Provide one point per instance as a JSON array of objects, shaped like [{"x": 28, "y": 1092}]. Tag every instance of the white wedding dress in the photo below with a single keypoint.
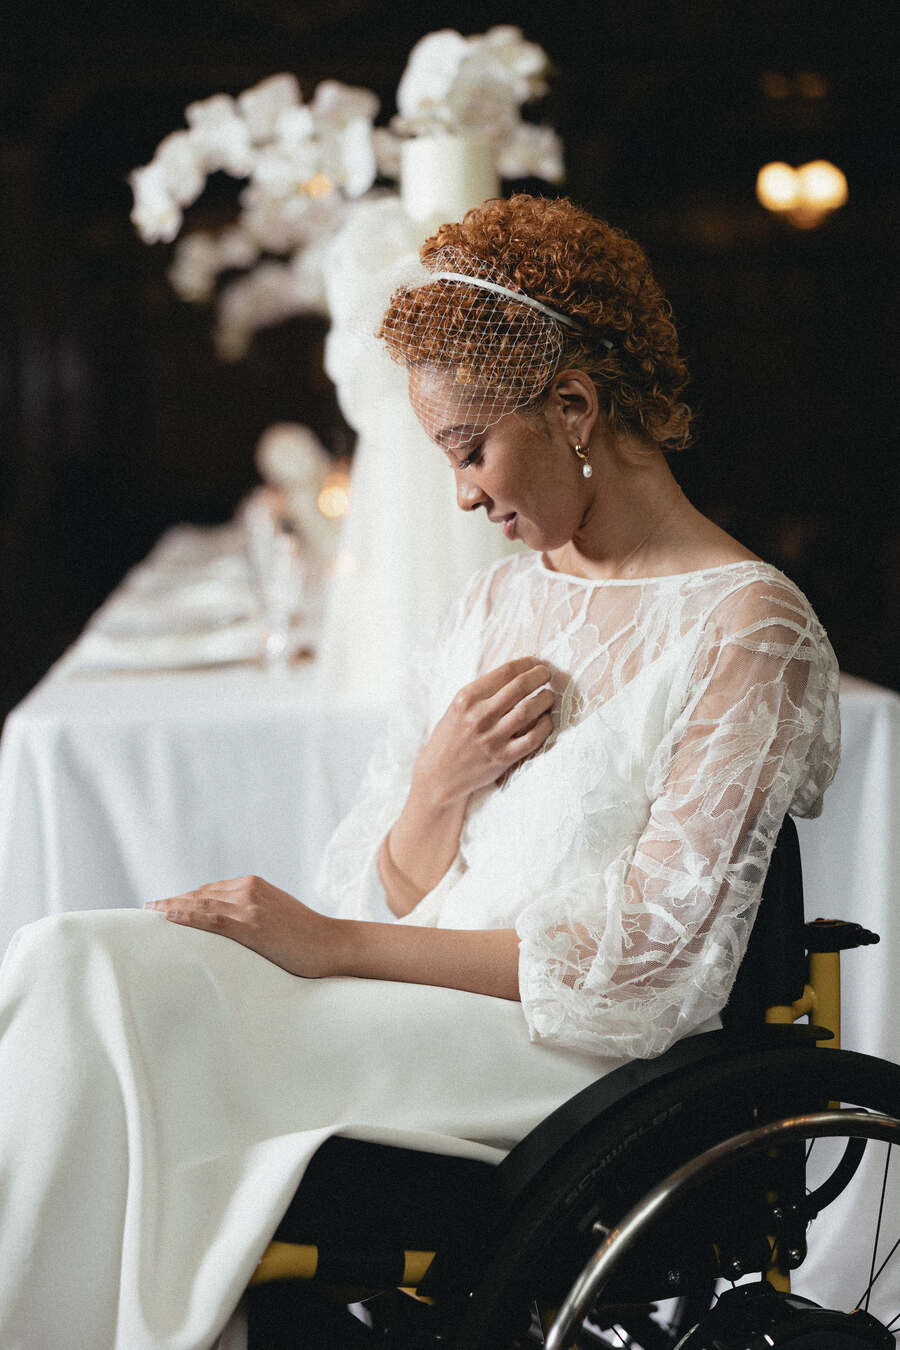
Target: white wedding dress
[{"x": 163, "y": 1088}]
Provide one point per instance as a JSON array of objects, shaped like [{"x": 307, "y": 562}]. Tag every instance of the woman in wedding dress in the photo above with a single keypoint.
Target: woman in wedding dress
[{"x": 570, "y": 815}]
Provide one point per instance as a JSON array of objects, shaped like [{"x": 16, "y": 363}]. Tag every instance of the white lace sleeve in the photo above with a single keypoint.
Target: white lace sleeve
[{"x": 628, "y": 959}]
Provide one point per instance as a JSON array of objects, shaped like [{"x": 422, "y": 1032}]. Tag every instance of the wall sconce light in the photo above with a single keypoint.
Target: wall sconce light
[{"x": 804, "y": 196}]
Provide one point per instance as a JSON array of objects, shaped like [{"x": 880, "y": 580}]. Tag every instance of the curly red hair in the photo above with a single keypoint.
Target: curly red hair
[{"x": 561, "y": 255}]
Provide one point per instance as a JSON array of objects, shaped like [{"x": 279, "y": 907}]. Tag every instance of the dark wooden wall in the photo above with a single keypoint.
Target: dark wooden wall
[{"x": 117, "y": 420}]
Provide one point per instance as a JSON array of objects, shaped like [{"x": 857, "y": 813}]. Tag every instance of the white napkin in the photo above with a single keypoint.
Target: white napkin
[
  {"x": 193, "y": 606},
  {"x": 98, "y": 650}
]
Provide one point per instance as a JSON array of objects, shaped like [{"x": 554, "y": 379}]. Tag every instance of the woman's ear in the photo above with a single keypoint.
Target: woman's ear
[{"x": 572, "y": 405}]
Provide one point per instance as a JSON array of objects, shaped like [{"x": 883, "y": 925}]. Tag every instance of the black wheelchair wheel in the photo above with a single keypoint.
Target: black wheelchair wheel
[
  {"x": 770, "y": 1164},
  {"x": 548, "y": 1236}
]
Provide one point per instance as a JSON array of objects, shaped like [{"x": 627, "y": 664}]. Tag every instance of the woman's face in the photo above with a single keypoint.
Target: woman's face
[{"x": 520, "y": 470}]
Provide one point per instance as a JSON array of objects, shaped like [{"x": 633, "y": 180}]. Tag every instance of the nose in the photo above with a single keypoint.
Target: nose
[{"x": 468, "y": 494}]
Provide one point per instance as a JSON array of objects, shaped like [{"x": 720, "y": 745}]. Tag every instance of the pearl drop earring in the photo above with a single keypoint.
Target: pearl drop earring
[{"x": 582, "y": 455}]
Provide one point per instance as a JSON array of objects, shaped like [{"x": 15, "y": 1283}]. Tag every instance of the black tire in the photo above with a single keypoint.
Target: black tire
[{"x": 547, "y": 1236}]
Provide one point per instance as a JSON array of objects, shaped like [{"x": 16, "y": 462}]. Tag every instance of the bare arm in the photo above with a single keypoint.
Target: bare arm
[
  {"x": 426, "y": 838},
  {"x": 304, "y": 942},
  {"x": 480, "y": 961},
  {"x": 491, "y": 724}
]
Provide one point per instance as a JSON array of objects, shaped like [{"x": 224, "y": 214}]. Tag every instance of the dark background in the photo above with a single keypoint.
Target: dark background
[{"x": 117, "y": 420}]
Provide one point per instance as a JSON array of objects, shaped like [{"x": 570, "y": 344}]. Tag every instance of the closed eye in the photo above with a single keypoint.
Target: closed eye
[{"x": 471, "y": 459}]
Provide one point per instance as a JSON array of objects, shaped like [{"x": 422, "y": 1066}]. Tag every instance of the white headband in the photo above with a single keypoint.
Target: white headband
[{"x": 523, "y": 299}]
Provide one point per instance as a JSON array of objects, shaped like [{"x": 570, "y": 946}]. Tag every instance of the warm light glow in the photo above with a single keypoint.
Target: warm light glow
[
  {"x": 809, "y": 84},
  {"x": 334, "y": 497},
  {"x": 805, "y": 84},
  {"x": 320, "y": 185},
  {"x": 774, "y": 85},
  {"x": 805, "y": 195},
  {"x": 777, "y": 186},
  {"x": 822, "y": 185}
]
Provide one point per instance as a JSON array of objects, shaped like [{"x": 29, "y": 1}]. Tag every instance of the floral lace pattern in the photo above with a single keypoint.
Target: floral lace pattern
[{"x": 692, "y": 713}]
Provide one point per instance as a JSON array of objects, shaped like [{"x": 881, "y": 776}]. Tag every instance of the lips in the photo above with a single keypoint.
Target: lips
[{"x": 508, "y": 522}]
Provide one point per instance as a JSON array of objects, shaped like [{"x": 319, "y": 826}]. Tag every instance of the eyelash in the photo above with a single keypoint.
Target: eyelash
[{"x": 470, "y": 459}]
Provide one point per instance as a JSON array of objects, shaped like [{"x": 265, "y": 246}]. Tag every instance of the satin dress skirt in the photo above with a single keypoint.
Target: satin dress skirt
[{"x": 162, "y": 1090}]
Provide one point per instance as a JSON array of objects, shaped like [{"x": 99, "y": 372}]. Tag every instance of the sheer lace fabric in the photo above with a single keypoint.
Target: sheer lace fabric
[{"x": 692, "y": 713}]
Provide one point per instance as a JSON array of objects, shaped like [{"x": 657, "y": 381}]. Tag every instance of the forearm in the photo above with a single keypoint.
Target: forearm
[
  {"x": 478, "y": 961},
  {"x": 419, "y": 849}
]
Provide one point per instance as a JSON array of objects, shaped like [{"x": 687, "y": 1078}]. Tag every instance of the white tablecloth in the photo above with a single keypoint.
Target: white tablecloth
[{"x": 123, "y": 789}]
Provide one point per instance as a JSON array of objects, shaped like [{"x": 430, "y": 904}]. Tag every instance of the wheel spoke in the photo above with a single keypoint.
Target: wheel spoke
[{"x": 873, "y": 1276}]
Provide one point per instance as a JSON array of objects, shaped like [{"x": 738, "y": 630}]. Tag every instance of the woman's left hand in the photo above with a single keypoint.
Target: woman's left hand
[{"x": 263, "y": 918}]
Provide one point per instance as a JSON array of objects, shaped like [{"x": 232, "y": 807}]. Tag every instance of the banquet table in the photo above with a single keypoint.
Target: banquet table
[{"x": 119, "y": 786}]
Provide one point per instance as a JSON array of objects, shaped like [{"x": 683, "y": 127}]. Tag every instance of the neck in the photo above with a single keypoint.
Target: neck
[{"x": 633, "y": 514}]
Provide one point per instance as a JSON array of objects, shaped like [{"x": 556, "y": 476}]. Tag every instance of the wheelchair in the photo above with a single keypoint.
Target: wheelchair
[{"x": 669, "y": 1206}]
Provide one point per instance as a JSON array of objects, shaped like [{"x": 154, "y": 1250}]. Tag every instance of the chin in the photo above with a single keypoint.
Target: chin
[{"x": 545, "y": 541}]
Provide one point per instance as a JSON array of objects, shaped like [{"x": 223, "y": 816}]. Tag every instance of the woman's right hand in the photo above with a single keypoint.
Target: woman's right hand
[{"x": 491, "y": 724}]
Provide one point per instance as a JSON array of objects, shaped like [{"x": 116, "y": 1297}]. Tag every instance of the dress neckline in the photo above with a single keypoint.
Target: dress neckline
[{"x": 644, "y": 581}]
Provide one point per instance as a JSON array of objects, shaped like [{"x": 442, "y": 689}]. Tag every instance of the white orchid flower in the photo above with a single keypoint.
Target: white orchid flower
[
  {"x": 430, "y": 73},
  {"x": 182, "y": 167},
  {"x": 471, "y": 85},
  {"x": 156, "y": 215},
  {"x": 200, "y": 256},
  {"x": 237, "y": 248},
  {"x": 293, "y": 127},
  {"x": 307, "y": 278},
  {"x": 281, "y": 171},
  {"x": 195, "y": 266},
  {"x": 529, "y": 151},
  {"x": 525, "y": 61},
  {"x": 483, "y": 99},
  {"x": 246, "y": 304},
  {"x": 220, "y": 135},
  {"x": 337, "y": 105},
  {"x": 268, "y": 295},
  {"x": 262, "y": 105}
]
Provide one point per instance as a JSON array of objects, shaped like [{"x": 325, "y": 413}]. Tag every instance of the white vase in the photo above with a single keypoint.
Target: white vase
[
  {"x": 443, "y": 176},
  {"x": 406, "y": 549}
]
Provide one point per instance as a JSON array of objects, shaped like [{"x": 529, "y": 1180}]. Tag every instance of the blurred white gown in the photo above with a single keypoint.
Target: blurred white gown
[
  {"x": 162, "y": 1089},
  {"x": 406, "y": 551}
]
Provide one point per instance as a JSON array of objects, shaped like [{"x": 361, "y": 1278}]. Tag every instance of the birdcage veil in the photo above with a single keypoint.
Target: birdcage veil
[{"x": 476, "y": 346}]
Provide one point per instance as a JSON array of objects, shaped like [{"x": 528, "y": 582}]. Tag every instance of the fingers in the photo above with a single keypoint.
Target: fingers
[
  {"x": 195, "y": 910},
  {"x": 518, "y": 689},
  {"x": 529, "y": 741},
  {"x": 523, "y": 715},
  {"x": 495, "y": 681},
  {"x": 488, "y": 707},
  {"x": 216, "y": 907}
]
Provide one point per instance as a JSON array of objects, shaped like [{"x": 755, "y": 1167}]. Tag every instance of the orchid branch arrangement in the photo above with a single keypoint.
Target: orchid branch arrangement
[{"x": 305, "y": 164}]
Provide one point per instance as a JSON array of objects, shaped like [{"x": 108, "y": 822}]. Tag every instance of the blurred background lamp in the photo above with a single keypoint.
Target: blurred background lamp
[
  {"x": 777, "y": 186},
  {"x": 805, "y": 196},
  {"x": 822, "y": 185}
]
